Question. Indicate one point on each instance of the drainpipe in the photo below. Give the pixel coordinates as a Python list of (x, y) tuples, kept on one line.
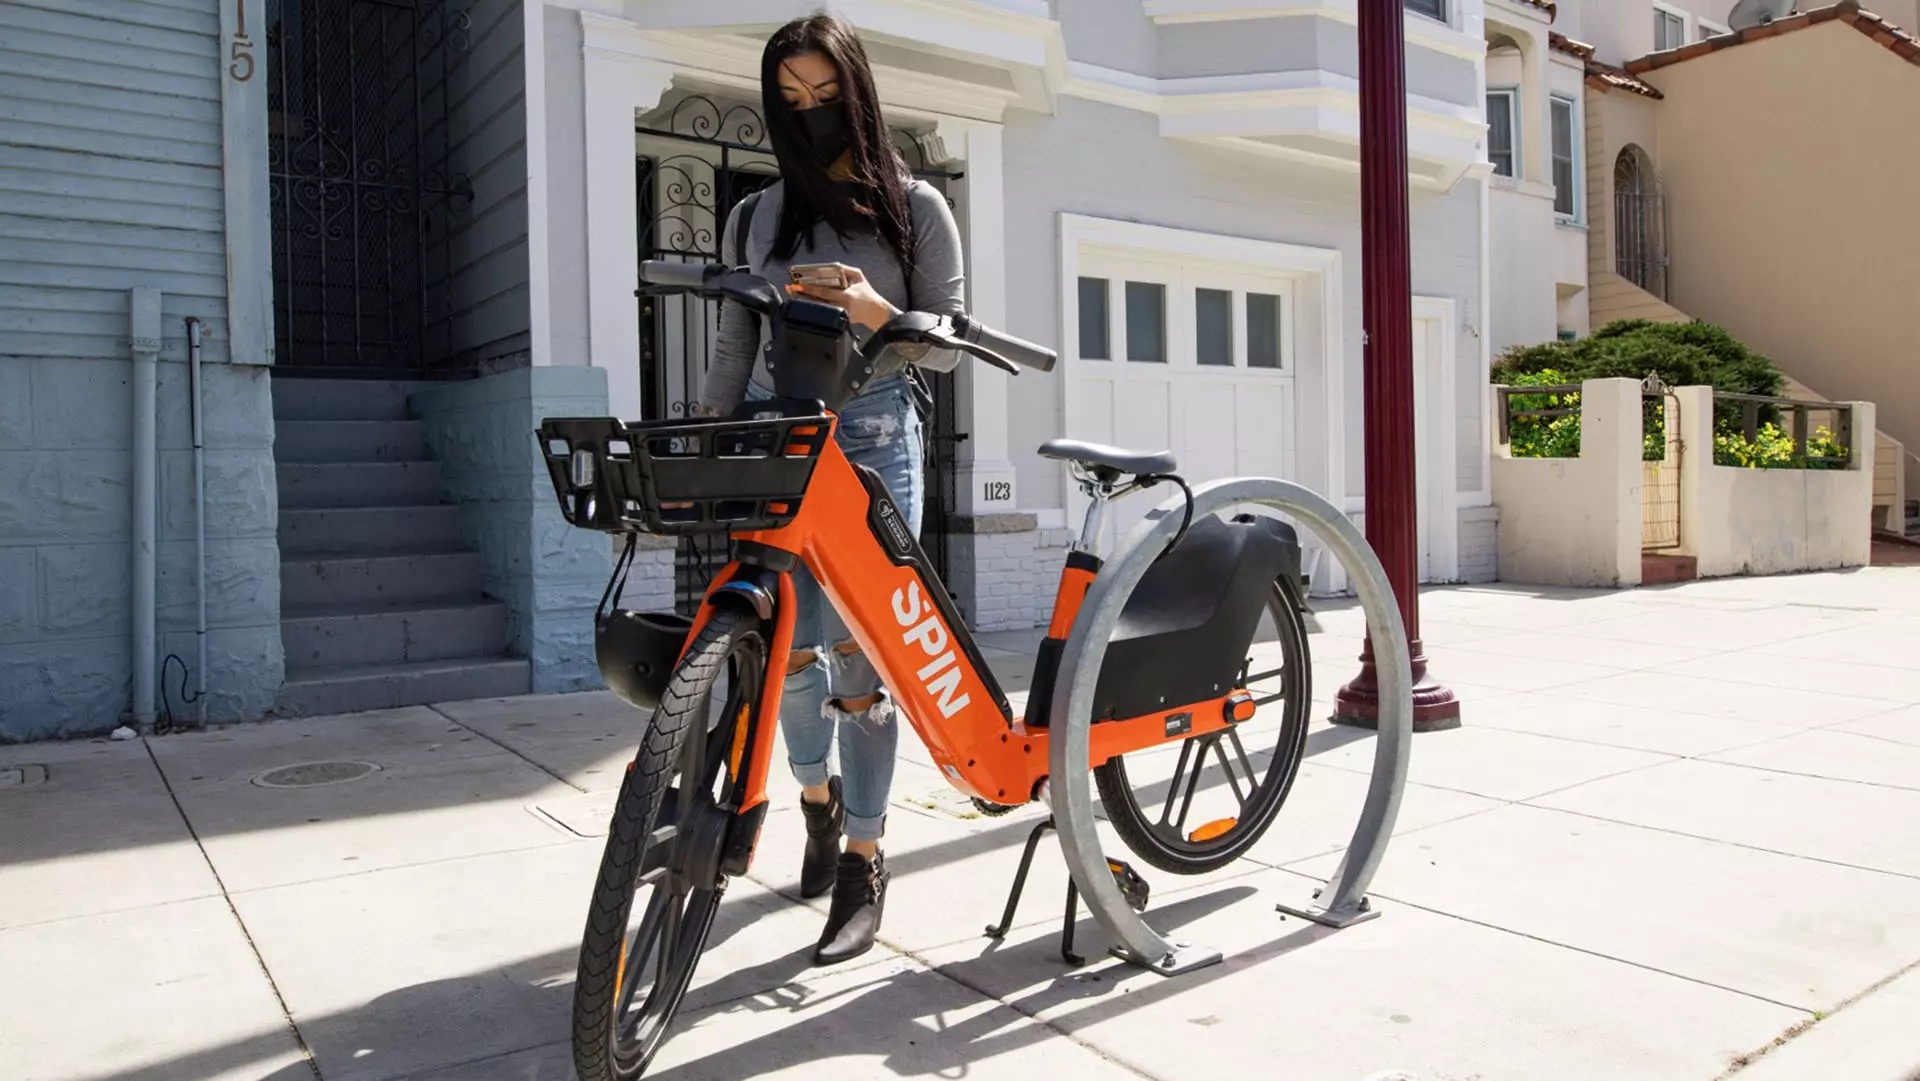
[(144, 305), (199, 525)]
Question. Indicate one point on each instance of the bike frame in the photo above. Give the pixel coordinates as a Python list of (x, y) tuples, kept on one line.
[(857, 545)]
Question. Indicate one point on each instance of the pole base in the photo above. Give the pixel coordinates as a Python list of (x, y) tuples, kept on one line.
[(1327, 917), (1183, 959), (1435, 708)]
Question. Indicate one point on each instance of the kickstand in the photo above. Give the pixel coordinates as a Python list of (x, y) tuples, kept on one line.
[(1020, 884)]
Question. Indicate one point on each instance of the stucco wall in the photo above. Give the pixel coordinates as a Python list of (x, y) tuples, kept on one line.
[(1772, 521), (1577, 521), (1790, 210), (1107, 161), (548, 572), (1120, 35)]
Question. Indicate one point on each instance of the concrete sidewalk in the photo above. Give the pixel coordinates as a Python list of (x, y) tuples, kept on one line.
[(1677, 829)]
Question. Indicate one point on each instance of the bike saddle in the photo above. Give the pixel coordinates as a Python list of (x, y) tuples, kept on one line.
[(1114, 459)]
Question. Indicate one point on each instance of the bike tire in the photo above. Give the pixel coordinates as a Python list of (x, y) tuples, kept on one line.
[(600, 1013), (1151, 841)]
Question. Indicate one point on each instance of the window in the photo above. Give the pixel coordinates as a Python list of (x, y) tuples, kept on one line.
[(1432, 9), (1566, 201), (1502, 148), (1669, 29), (1263, 331), (1093, 319), (1147, 322), (1213, 327), (1710, 30)]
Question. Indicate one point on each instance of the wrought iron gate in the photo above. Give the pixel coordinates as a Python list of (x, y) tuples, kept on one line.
[(362, 191), (1661, 461), (698, 158)]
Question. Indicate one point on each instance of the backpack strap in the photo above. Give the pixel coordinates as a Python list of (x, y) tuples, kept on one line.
[(747, 207)]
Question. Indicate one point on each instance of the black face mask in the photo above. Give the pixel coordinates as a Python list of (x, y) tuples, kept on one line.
[(829, 133)]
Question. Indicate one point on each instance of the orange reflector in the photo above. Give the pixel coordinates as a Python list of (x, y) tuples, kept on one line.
[(620, 974), (776, 508), (1240, 707), (1212, 829)]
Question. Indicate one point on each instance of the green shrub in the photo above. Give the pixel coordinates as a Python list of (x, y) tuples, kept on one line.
[(1772, 448), (1682, 355)]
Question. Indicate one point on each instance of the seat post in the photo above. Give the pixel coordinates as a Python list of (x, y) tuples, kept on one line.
[(1100, 492)]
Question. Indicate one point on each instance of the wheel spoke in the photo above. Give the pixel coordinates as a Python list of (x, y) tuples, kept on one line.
[(1226, 766), (1246, 763), (1173, 786), (1193, 786)]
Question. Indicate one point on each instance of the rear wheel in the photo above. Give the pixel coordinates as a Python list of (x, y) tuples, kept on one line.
[(1225, 787), (660, 882)]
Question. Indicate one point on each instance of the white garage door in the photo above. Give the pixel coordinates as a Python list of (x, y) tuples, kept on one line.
[(1173, 355)]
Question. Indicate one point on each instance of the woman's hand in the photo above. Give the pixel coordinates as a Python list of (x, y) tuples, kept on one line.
[(862, 303)]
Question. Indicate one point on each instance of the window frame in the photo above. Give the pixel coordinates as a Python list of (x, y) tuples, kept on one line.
[(1701, 26), (1181, 280), (1574, 148), (1441, 16), (1686, 26), (1514, 150)]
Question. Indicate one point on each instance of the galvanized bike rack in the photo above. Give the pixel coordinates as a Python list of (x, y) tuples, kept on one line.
[(1342, 901)]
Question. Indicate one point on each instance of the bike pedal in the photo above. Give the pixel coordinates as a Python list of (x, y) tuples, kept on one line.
[(1132, 886)]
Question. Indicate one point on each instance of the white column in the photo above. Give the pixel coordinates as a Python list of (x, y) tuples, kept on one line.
[(617, 86), (1536, 139), (984, 475)]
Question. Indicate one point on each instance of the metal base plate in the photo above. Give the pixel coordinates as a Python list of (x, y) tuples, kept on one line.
[(1327, 917), (1184, 958)]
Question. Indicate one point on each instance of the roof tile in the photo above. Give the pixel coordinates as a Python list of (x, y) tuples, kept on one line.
[(1889, 36)]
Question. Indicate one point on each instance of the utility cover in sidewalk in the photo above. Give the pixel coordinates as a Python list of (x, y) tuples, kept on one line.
[(25, 776), (314, 774)]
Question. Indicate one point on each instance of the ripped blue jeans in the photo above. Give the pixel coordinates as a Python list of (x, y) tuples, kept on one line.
[(880, 430)]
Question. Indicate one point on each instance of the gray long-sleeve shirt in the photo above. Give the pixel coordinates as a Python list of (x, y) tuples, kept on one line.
[(937, 284)]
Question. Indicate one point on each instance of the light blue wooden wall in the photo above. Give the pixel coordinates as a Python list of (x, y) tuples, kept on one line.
[(110, 172), (110, 178)]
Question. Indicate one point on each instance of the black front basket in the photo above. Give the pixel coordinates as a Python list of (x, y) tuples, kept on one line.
[(682, 477)]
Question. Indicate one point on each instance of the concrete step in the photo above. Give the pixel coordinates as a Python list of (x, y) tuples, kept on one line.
[(332, 637), (340, 399), (371, 580), (322, 531), (312, 692), (359, 484), (349, 441)]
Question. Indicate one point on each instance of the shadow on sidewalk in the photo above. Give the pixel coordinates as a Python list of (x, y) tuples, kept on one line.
[(867, 1018)]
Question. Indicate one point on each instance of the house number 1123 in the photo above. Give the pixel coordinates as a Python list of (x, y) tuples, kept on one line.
[(997, 491)]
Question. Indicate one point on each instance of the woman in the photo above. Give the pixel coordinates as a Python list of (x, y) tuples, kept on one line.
[(844, 196)]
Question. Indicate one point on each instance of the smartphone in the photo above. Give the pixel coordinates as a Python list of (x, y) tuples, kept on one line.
[(831, 275)]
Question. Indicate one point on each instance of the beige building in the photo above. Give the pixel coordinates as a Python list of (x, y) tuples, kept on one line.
[(1747, 179)]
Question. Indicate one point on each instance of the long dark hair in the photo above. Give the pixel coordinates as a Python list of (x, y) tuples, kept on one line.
[(873, 197)]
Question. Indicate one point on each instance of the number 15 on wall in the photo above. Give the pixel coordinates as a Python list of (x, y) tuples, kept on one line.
[(240, 65)]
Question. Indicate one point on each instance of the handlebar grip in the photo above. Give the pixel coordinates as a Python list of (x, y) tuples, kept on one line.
[(678, 275), (1037, 357)]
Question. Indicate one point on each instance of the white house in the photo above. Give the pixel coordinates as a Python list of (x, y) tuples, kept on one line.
[(1165, 190), (405, 230)]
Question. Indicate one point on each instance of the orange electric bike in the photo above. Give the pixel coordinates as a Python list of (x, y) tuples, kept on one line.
[(1178, 691)]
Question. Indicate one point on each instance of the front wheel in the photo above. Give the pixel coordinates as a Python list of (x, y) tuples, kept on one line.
[(660, 883), (1221, 797)]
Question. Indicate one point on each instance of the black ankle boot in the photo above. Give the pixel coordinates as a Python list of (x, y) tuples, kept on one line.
[(825, 822), (859, 896)]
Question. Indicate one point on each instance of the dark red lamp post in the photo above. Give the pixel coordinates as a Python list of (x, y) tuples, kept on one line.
[(1387, 301)]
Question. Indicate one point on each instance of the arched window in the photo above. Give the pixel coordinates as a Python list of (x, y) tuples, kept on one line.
[(1639, 222)]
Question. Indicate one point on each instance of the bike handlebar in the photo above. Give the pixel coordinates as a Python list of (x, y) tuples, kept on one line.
[(679, 275), (1018, 350), (961, 332)]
